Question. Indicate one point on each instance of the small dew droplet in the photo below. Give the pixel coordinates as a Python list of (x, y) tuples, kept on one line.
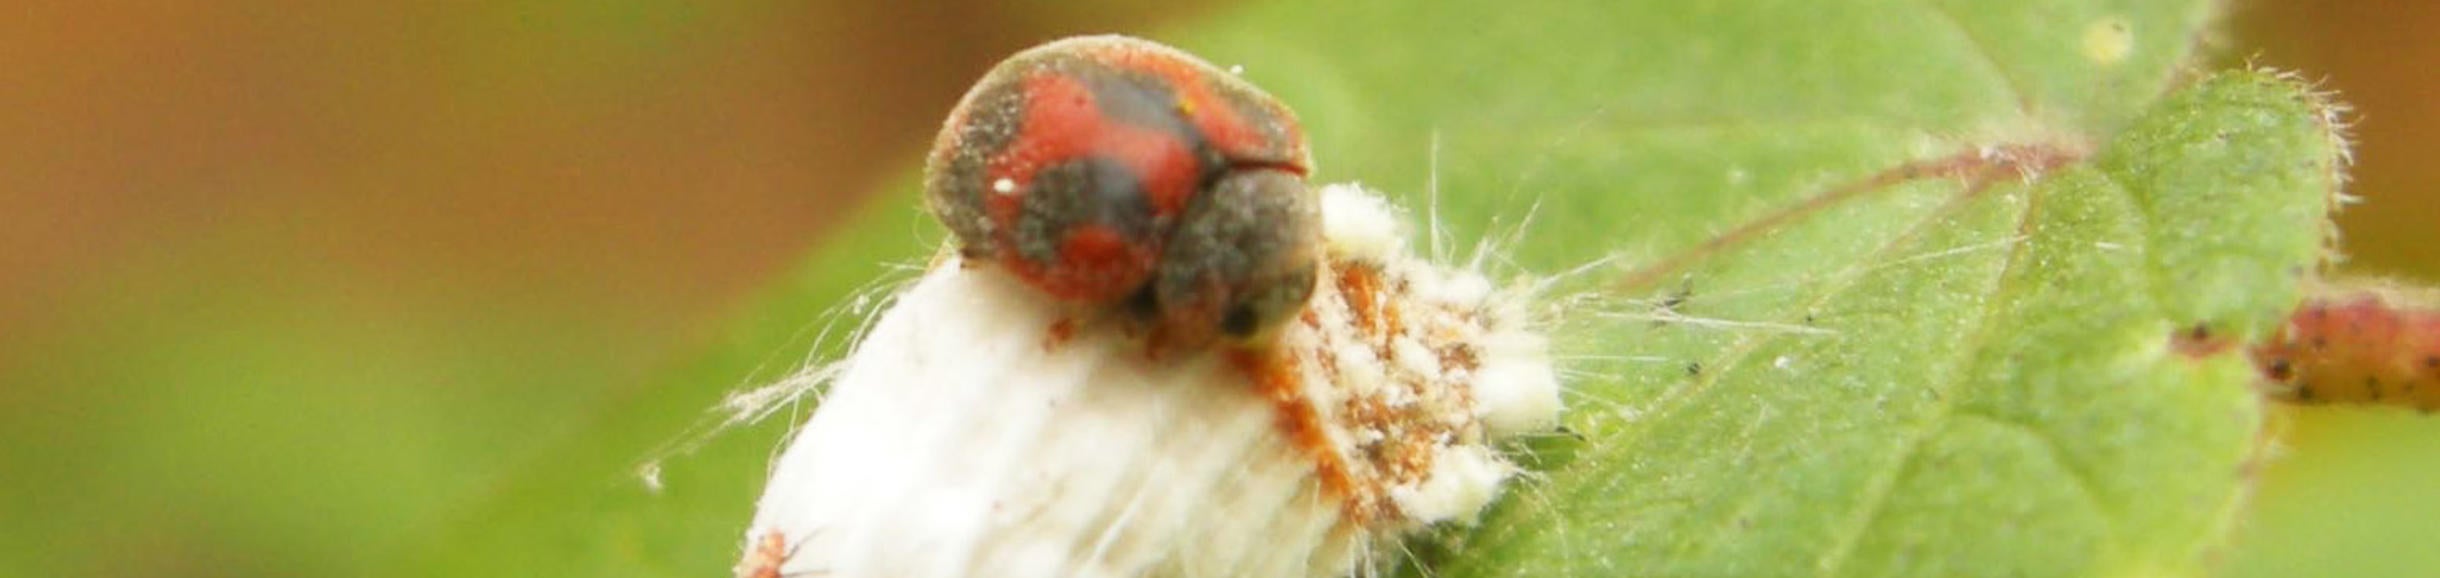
[(650, 474), (2109, 40)]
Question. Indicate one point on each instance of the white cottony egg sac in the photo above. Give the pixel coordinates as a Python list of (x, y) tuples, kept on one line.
[(981, 429)]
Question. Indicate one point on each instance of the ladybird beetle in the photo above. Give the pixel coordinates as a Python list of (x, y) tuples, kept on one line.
[(1118, 172)]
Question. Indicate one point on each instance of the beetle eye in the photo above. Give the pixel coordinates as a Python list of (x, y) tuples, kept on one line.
[(1241, 321), (1276, 302)]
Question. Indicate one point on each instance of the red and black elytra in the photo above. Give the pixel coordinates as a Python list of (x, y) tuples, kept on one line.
[(1121, 173)]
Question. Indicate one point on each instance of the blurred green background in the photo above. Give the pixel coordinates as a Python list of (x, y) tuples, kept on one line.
[(283, 283)]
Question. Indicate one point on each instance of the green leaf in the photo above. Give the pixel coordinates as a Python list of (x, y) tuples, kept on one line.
[(1999, 383), (1903, 288)]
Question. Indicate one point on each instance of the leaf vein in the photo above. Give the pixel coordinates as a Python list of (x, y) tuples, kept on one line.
[(1876, 498)]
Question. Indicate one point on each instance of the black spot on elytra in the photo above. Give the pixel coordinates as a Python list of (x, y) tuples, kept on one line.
[(955, 179), (1092, 191), (1148, 101), (1141, 100)]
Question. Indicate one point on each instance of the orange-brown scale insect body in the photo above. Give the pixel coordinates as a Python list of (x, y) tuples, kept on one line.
[(1124, 174), (770, 552), (2360, 348)]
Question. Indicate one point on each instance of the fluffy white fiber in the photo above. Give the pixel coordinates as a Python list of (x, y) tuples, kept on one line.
[(979, 431)]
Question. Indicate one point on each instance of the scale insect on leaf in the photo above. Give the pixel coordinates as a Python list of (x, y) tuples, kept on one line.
[(1153, 351)]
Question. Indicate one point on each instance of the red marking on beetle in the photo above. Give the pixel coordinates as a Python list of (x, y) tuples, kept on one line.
[(2356, 348), (1095, 264), (1095, 245), (1063, 123)]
